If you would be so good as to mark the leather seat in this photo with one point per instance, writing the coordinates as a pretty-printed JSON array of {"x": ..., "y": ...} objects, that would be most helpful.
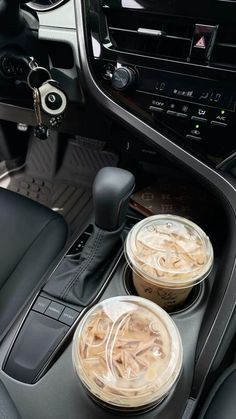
[
  {"x": 221, "y": 403},
  {"x": 7, "y": 407},
  {"x": 31, "y": 236}
]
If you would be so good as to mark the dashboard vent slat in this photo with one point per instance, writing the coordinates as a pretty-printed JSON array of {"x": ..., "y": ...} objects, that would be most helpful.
[
  {"x": 166, "y": 37},
  {"x": 224, "y": 53},
  {"x": 143, "y": 34}
]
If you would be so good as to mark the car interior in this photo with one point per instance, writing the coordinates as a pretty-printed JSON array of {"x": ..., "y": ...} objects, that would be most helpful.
[{"x": 113, "y": 114}]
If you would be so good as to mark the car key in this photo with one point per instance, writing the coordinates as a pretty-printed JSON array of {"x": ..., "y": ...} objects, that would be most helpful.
[
  {"x": 50, "y": 97},
  {"x": 53, "y": 101},
  {"x": 37, "y": 75},
  {"x": 41, "y": 131}
]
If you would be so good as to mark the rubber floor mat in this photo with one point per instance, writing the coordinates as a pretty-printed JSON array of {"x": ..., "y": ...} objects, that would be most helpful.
[{"x": 66, "y": 189}]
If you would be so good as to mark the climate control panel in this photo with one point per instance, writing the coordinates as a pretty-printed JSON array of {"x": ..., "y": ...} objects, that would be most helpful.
[{"x": 197, "y": 112}]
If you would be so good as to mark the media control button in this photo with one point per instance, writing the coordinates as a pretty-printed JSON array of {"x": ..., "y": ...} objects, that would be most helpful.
[
  {"x": 41, "y": 305},
  {"x": 54, "y": 310}
]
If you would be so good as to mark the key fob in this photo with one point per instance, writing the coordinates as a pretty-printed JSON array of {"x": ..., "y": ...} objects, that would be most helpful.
[
  {"x": 53, "y": 99},
  {"x": 41, "y": 132}
]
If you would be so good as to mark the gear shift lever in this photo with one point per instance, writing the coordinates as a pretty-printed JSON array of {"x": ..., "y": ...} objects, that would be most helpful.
[
  {"x": 111, "y": 192},
  {"x": 77, "y": 281}
]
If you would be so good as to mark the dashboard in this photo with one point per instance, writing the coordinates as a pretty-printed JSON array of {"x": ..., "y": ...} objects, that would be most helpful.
[{"x": 170, "y": 63}]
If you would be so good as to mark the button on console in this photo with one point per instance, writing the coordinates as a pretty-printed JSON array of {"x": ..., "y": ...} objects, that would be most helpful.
[
  {"x": 177, "y": 114},
  {"x": 41, "y": 305},
  {"x": 123, "y": 78},
  {"x": 181, "y": 115},
  {"x": 198, "y": 118},
  {"x": 193, "y": 137},
  {"x": 203, "y": 42},
  {"x": 219, "y": 124},
  {"x": 54, "y": 310},
  {"x": 155, "y": 109},
  {"x": 172, "y": 113},
  {"x": 68, "y": 316}
]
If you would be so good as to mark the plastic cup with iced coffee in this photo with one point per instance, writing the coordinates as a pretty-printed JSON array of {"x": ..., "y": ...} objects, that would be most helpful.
[
  {"x": 128, "y": 354},
  {"x": 168, "y": 255}
]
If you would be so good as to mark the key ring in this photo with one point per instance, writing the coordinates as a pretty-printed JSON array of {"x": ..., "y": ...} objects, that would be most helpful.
[
  {"x": 37, "y": 83},
  {"x": 32, "y": 63}
]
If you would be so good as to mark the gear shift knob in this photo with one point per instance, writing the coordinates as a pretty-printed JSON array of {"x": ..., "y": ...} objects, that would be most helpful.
[
  {"x": 111, "y": 192},
  {"x": 77, "y": 281}
]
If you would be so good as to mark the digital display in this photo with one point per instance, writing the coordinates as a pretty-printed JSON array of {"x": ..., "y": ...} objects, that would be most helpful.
[{"x": 193, "y": 89}]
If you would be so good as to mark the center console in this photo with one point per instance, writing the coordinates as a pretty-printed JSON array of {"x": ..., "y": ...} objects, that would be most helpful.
[
  {"x": 40, "y": 352},
  {"x": 172, "y": 64},
  {"x": 166, "y": 70},
  {"x": 76, "y": 283}
]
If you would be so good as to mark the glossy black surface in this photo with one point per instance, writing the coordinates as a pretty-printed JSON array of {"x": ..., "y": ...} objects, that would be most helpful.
[{"x": 151, "y": 39}]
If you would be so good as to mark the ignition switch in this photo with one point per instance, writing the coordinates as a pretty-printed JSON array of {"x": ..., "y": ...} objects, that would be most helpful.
[{"x": 14, "y": 66}]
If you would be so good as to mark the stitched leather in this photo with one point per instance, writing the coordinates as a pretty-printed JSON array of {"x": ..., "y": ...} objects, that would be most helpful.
[{"x": 76, "y": 280}]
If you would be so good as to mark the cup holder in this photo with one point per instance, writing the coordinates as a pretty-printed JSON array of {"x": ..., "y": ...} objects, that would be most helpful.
[{"x": 191, "y": 300}]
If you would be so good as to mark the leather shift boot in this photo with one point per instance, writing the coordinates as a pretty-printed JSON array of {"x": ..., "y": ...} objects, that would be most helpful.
[{"x": 76, "y": 280}]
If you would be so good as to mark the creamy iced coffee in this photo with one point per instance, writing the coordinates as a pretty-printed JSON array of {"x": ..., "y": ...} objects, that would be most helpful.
[
  {"x": 127, "y": 352},
  {"x": 168, "y": 255}
]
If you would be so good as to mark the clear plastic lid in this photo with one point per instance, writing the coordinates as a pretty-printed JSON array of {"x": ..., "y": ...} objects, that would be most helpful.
[
  {"x": 127, "y": 352},
  {"x": 169, "y": 250}
]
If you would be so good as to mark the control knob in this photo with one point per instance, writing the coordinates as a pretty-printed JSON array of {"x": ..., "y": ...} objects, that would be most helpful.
[{"x": 123, "y": 78}]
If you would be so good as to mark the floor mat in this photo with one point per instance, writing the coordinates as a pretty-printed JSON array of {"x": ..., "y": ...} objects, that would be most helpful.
[{"x": 66, "y": 188}]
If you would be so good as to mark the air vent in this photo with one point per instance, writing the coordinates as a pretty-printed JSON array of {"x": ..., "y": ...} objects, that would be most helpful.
[
  {"x": 224, "y": 53},
  {"x": 150, "y": 35}
]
